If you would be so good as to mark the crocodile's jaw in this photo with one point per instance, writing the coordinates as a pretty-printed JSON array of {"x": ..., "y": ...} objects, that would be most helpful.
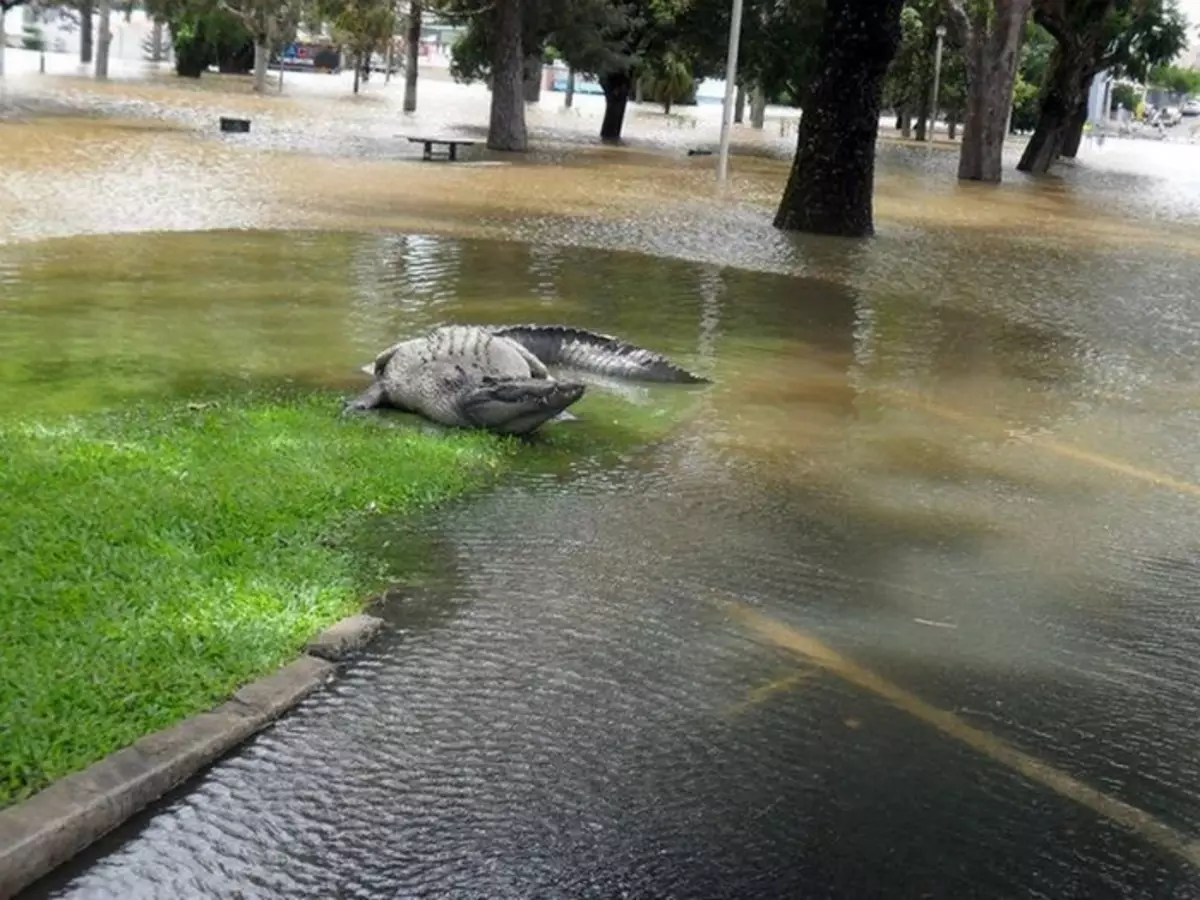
[{"x": 518, "y": 406}]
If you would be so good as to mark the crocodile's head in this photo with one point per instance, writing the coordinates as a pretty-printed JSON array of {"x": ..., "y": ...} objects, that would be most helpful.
[{"x": 517, "y": 405}]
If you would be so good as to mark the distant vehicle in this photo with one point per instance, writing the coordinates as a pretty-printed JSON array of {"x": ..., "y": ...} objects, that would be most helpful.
[
  {"x": 1170, "y": 115},
  {"x": 1190, "y": 108}
]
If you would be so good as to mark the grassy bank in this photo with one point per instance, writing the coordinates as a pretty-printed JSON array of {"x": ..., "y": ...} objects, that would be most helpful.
[{"x": 157, "y": 558}]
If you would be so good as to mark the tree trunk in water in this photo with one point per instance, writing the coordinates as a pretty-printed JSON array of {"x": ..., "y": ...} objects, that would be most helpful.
[
  {"x": 531, "y": 79},
  {"x": 260, "y": 66},
  {"x": 831, "y": 186},
  {"x": 922, "y": 121},
  {"x": 952, "y": 127},
  {"x": 739, "y": 105},
  {"x": 991, "y": 55},
  {"x": 156, "y": 35},
  {"x": 1074, "y": 136},
  {"x": 616, "y": 95},
  {"x": 1060, "y": 103},
  {"x": 570, "y": 93},
  {"x": 506, "y": 129},
  {"x": 357, "y": 68},
  {"x": 86, "y": 31},
  {"x": 904, "y": 123},
  {"x": 758, "y": 107},
  {"x": 104, "y": 39},
  {"x": 412, "y": 52},
  {"x": 667, "y": 106}
]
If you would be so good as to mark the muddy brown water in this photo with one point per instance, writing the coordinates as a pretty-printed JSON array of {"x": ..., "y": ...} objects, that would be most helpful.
[{"x": 960, "y": 456}]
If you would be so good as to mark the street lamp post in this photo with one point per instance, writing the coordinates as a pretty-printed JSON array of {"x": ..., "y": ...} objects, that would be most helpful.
[
  {"x": 940, "y": 31},
  {"x": 731, "y": 59}
]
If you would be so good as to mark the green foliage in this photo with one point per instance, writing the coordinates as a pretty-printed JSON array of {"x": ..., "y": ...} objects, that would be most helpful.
[
  {"x": 1125, "y": 95},
  {"x": 32, "y": 39},
  {"x": 157, "y": 559},
  {"x": 669, "y": 80},
  {"x": 1032, "y": 71},
  {"x": 1026, "y": 102},
  {"x": 910, "y": 77},
  {"x": 1141, "y": 34},
  {"x": 360, "y": 27},
  {"x": 1174, "y": 79},
  {"x": 912, "y": 66},
  {"x": 202, "y": 33}
]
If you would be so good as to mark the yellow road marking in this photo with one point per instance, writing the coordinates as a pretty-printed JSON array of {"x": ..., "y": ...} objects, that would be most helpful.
[
  {"x": 1059, "y": 448},
  {"x": 765, "y": 692},
  {"x": 825, "y": 657}
]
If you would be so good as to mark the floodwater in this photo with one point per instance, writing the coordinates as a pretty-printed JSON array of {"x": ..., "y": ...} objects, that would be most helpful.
[{"x": 905, "y": 606}]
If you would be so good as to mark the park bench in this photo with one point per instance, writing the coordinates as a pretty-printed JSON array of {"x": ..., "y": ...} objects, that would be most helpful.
[{"x": 451, "y": 143}]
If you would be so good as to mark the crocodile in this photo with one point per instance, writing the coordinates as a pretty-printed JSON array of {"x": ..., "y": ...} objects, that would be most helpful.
[{"x": 497, "y": 377}]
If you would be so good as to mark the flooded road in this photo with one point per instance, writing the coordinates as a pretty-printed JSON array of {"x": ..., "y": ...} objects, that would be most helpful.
[{"x": 904, "y": 606}]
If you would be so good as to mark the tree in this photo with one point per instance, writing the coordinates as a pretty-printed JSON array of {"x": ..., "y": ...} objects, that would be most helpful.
[
  {"x": 360, "y": 28},
  {"x": 506, "y": 125},
  {"x": 203, "y": 33},
  {"x": 412, "y": 53},
  {"x": 778, "y": 53},
  {"x": 831, "y": 186},
  {"x": 669, "y": 80},
  {"x": 903, "y": 88},
  {"x": 86, "y": 8},
  {"x": 1126, "y": 37},
  {"x": 268, "y": 22},
  {"x": 990, "y": 32},
  {"x": 1174, "y": 79},
  {"x": 104, "y": 38}
]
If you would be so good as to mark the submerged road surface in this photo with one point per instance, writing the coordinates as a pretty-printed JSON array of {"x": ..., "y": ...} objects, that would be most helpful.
[{"x": 585, "y": 715}]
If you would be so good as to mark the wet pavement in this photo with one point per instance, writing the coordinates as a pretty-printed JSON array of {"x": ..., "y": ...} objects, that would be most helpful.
[{"x": 906, "y": 606}]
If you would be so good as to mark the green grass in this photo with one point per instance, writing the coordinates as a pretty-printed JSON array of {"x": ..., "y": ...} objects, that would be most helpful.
[{"x": 158, "y": 558}]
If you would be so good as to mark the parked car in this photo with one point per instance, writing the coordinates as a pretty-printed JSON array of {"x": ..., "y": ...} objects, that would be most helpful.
[
  {"x": 1170, "y": 115},
  {"x": 1190, "y": 108}
]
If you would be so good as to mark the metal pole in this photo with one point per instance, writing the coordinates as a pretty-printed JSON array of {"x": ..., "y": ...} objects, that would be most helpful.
[
  {"x": 937, "y": 75},
  {"x": 731, "y": 59}
]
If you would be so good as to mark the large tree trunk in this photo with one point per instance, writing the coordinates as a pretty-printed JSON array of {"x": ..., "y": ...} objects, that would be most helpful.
[
  {"x": 412, "y": 53},
  {"x": 156, "y": 35},
  {"x": 758, "y": 107},
  {"x": 105, "y": 39},
  {"x": 831, "y": 186},
  {"x": 531, "y": 75},
  {"x": 992, "y": 42},
  {"x": 506, "y": 129},
  {"x": 904, "y": 123},
  {"x": 616, "y": 95},
  {"x": 260, "y": 65},
  {"x": 739, "y": 104},
  {"x": 357, "y": 68},
  {"x": 86, "y": 31},
  {"x": 1074, "y": 138},
  {"x": 569, "y": 99},
  {"x": 1060, "y": 104}
]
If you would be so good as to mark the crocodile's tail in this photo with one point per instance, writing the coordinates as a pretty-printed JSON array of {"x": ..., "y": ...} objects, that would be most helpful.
[{"x": 588, "y": 351}]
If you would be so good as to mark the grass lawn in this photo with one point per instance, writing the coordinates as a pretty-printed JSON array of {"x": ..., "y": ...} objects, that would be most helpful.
[{"x": 156, "y": 559}]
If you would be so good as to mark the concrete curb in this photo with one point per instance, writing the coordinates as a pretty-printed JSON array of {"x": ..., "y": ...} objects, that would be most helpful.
[{"x": 43, "y": 832}]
